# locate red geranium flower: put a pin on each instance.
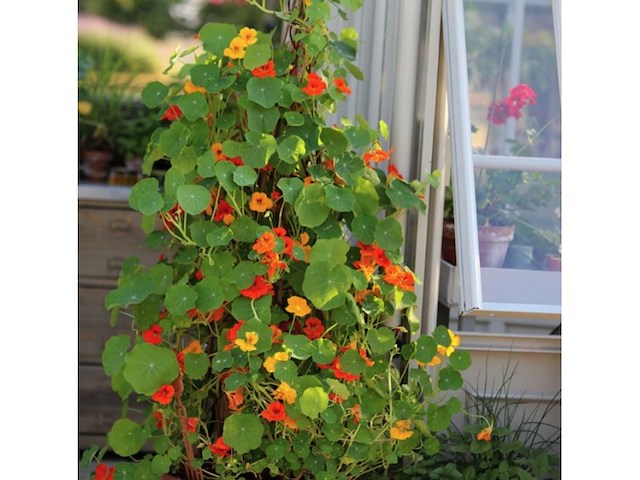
(274, 412)
(171, 113)
(153, 335)
(164, 395)
(220, 448)
(313, 328)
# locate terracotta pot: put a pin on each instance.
(553, 262)
(493, 243)
(448, 249)
(95, 164)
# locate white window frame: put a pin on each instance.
(519, 293)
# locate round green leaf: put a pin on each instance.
(210, 294)
(126, 437)
(131, 292)
(277, 449)
(402, 196)
(224, 172)
(291, 149)
(245, 176)
(193, 105)
(332, 250)
(388, 234)
(449, 379)
(438, 418)
(215, 37)
(291, 188)
(363, 227)
(426, 348)
(264, 91)
(114, 353)
(339, 199)
(206, 76)
(160, 464)
(324, 282)
(431, 446)
(310, 206)
(323, 351)
(460, 360)
(194, 199)
(334, 141)
(180, 298)
(352, 362)
(242, 432)
(262, 119)
(141, 188)
(196, 365)
(294, 119)
(148, 367)
(219, 236)
(150, 203)
(206, 165)
(313, 401)
(244, 229)
(256, 55)
(381, 340)
(243, 275)
(299, 346)
(174, 139)
(366, 197)
(154, 94)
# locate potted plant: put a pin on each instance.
(503, 197)
(103, 93)
(276, 336)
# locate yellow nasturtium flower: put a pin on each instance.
(270, 362)
(286, 393)
(400, 430)
(190, 87)
(298, 306)
(248, 345)
(248, 35)
(235, 49)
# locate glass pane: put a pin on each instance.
(513, 77)
(515, 112)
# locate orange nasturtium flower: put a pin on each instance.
(266, 243)
(260, 202)
(274, 412)
(291, 423)
(248, 35)
(190, 87)
(235, 399)
(193, 347)
(236, 48)
(164, 395)
(216, 148)
(286, 393)
(400, 430)
(485, 433)
(298, 306)
(341, 85)
(376, 155)
(249, 344)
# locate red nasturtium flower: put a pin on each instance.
(164, 395)
(341, 85)
(259, 288)
(173, 112)
(153, 335)
(266, 70)
(220, 448)
(313, 328)
(274, 412)
(104, 472)
(315, 86)
(232, 333)
(192, 423)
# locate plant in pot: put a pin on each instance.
(276, 336)
(103, 91)
(504, 197)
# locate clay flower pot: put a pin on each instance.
(493, 243)
(95, 164)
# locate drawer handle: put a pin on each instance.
(120, 225)
(115, 263)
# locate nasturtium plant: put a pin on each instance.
(261, 343)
